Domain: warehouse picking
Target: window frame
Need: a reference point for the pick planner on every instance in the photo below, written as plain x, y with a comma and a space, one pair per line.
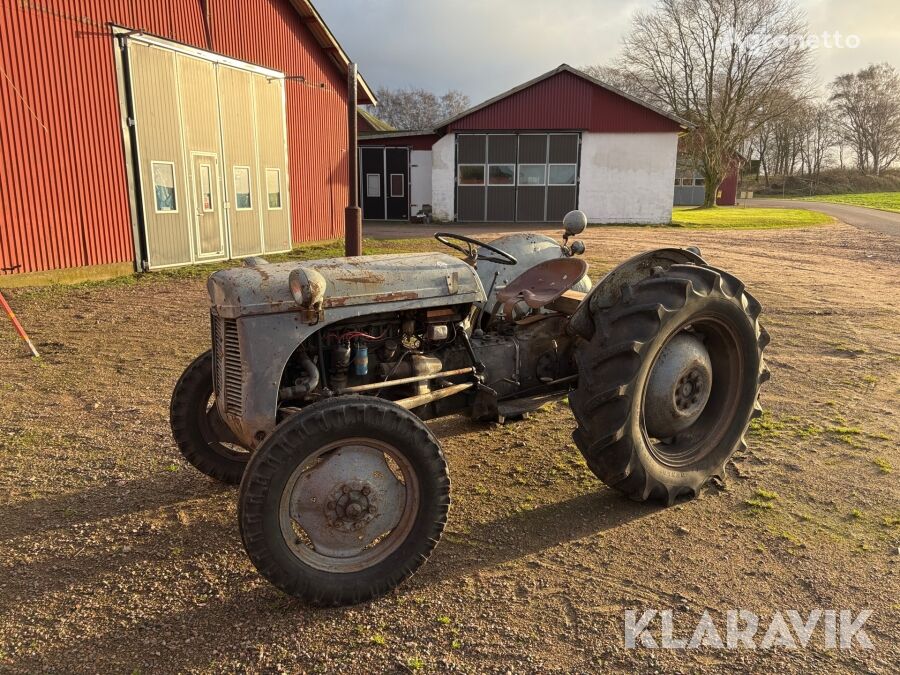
514, 172
460, 168
206, 168
176, 199
234, 169
574, 182
369, 183
391, 185
519, 182
280, 193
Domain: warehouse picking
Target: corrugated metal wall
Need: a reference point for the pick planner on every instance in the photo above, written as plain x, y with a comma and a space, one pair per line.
63, 194
566, 102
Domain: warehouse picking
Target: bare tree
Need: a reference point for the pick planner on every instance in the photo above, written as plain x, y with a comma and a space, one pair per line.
720, 64
868, 107
411, 109
818, 134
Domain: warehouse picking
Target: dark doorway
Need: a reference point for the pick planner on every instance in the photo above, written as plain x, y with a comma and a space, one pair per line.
384, 183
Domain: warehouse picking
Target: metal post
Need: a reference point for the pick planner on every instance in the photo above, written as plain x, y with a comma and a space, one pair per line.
353, 214
17, 325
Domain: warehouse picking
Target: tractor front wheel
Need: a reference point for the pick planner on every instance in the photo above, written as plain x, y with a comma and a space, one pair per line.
201, 434
669, 382
344, 500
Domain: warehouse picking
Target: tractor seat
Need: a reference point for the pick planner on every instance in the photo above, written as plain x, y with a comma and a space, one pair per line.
541, 285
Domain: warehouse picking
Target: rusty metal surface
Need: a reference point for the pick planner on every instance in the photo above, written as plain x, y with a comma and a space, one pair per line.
542, 284
349, 504
529, 249
348, 282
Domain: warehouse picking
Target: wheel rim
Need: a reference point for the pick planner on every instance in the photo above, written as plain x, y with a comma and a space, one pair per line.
213, 429
693, 392
349, 505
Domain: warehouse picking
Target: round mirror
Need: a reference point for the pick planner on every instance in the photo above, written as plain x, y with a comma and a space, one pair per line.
574, 222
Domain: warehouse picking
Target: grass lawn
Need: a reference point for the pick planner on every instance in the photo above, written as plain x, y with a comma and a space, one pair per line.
886, 201
737, 218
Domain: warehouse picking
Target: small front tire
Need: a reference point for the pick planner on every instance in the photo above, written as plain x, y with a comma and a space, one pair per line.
202, 436
344, 500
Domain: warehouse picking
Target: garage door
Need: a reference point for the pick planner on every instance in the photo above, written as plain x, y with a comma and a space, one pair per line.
516, 177
211, 174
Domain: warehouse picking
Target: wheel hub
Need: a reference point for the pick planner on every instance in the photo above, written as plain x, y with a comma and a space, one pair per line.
351, 506
346, 501
679, 386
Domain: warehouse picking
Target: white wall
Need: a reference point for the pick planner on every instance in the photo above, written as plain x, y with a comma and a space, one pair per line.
420, 180
627, 178
443, 172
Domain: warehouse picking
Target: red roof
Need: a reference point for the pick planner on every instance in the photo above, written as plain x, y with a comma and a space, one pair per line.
565, 98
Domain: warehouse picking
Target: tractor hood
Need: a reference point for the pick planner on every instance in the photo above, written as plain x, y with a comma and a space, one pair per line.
317, 285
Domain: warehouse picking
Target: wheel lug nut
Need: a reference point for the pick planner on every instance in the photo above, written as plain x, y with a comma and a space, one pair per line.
345, 489
372, 508
366, 490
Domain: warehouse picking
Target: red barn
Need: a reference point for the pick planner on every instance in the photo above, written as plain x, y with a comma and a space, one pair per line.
150, 134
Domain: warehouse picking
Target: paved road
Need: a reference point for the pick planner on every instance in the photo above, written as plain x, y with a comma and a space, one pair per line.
858, 216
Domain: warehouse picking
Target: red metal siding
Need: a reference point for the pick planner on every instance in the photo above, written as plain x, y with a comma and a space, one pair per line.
63, 193
565, 101
728, 189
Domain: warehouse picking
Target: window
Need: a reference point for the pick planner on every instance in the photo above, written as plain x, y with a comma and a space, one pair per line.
699, 182
677, 182
273, 188
532, 174
373, 185
471, 174
242, 198
164, 186
562, 174
502, 174
397, 183
206, 201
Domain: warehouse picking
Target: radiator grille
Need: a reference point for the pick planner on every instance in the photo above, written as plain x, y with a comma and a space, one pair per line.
227, 364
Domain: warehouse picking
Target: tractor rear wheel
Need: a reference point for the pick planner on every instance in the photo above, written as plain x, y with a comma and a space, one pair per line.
669, 382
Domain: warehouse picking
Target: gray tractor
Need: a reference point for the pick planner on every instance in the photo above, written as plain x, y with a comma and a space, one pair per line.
321, 375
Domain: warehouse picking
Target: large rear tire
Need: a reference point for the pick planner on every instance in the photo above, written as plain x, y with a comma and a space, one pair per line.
669, 382
344, 500
202, 436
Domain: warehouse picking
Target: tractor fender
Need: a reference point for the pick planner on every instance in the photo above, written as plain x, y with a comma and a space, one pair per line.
608, 290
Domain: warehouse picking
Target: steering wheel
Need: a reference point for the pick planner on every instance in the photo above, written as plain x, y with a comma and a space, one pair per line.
471, 250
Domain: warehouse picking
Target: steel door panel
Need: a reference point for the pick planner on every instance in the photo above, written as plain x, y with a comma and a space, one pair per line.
560, 200
372, 183
239, 131
274, 203
164, 185
470, 203
396, 184
530, 203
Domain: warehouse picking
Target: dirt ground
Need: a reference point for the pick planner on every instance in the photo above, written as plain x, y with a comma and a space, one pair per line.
116, 556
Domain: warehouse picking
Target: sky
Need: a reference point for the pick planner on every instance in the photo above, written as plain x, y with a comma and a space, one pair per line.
484, 47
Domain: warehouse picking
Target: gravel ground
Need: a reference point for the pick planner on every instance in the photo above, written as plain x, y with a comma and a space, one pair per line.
116, 556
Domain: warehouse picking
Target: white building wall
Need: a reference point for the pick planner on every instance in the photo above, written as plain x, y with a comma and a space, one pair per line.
627, 177
419, 179
443, 173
